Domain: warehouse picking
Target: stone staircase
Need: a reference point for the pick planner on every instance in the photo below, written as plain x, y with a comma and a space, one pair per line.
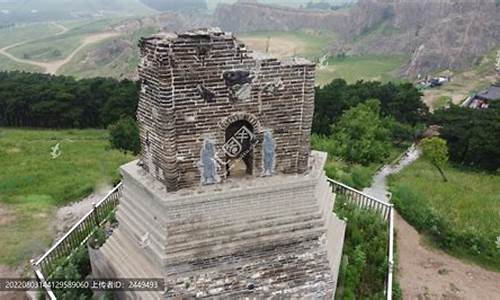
274, 238
298, 267
128, 262
272, 253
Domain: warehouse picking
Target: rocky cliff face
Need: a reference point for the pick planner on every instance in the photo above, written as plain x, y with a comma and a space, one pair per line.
436, 34
249, 15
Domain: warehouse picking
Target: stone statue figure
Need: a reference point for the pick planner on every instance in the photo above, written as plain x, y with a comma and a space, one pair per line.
268, 154
208, 164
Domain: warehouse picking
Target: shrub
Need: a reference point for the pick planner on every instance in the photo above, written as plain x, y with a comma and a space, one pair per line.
323, 143
76, 269
465, 242
361, 177
364, 262
112, 218
98, 238
124, 135
361, 135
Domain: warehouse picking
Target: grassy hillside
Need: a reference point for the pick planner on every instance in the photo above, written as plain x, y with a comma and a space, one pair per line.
117, 57
462, 215
212, 4
33, 184
287, 43
56, 47
354, 68
16, 34
7, 64
464, 83
314, 45
52, 10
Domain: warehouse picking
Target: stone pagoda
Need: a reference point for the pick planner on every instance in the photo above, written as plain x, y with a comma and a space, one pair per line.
227, 200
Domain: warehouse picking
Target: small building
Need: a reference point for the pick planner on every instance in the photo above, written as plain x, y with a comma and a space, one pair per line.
484, 98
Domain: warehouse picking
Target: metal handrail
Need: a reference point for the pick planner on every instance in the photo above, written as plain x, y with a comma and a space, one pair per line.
362, 201
47, 288
114, 190
390, 259
359, 192
98, 217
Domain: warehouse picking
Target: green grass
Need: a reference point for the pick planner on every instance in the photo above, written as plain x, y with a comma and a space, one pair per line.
462, 215
352, 174
314, 45
7, 64
49, 49
442, 102
356, 175
466, 82
303, 43
212, 4
363, 269
354, 68
57, 47
33, 185
48, 10
119, 65
16, 34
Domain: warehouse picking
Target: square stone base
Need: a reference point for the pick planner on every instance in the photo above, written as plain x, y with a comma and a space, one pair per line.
251, 237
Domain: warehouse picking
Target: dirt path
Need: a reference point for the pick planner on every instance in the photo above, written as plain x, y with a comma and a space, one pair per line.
68, 215
64, 219
426, 273
63, 28
54, 66
379, 188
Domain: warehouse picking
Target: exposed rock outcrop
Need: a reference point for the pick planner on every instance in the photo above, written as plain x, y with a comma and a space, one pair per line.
437, 34
249, 15
441, 34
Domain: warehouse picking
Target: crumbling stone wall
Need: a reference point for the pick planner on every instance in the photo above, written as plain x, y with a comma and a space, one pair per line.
188, 94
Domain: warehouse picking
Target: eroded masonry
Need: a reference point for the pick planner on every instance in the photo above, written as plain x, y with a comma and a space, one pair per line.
227, 200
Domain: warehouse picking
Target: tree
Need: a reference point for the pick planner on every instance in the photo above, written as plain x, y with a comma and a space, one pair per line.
435, 151
124, 134
399, 101
360, 135
42, 100
472, 135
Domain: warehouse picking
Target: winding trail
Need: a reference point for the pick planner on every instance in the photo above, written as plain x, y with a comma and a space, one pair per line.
379, 188
425, 272
54, 66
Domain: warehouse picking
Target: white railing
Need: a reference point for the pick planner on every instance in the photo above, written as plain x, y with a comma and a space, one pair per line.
385, 209
82, 230
77, 236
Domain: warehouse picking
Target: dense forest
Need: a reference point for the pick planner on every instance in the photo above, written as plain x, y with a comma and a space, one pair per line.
399, 101
473, 135
359, 120
41, 100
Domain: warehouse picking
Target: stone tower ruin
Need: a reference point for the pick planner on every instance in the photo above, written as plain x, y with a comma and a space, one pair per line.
200, 86
227, 199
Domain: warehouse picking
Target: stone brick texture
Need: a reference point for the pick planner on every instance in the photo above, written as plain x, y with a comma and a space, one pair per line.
175, 118
272, 237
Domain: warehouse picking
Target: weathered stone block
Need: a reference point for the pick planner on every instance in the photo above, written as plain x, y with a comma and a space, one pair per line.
206, 80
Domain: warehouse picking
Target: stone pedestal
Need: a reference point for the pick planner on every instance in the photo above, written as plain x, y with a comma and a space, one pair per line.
247, 237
